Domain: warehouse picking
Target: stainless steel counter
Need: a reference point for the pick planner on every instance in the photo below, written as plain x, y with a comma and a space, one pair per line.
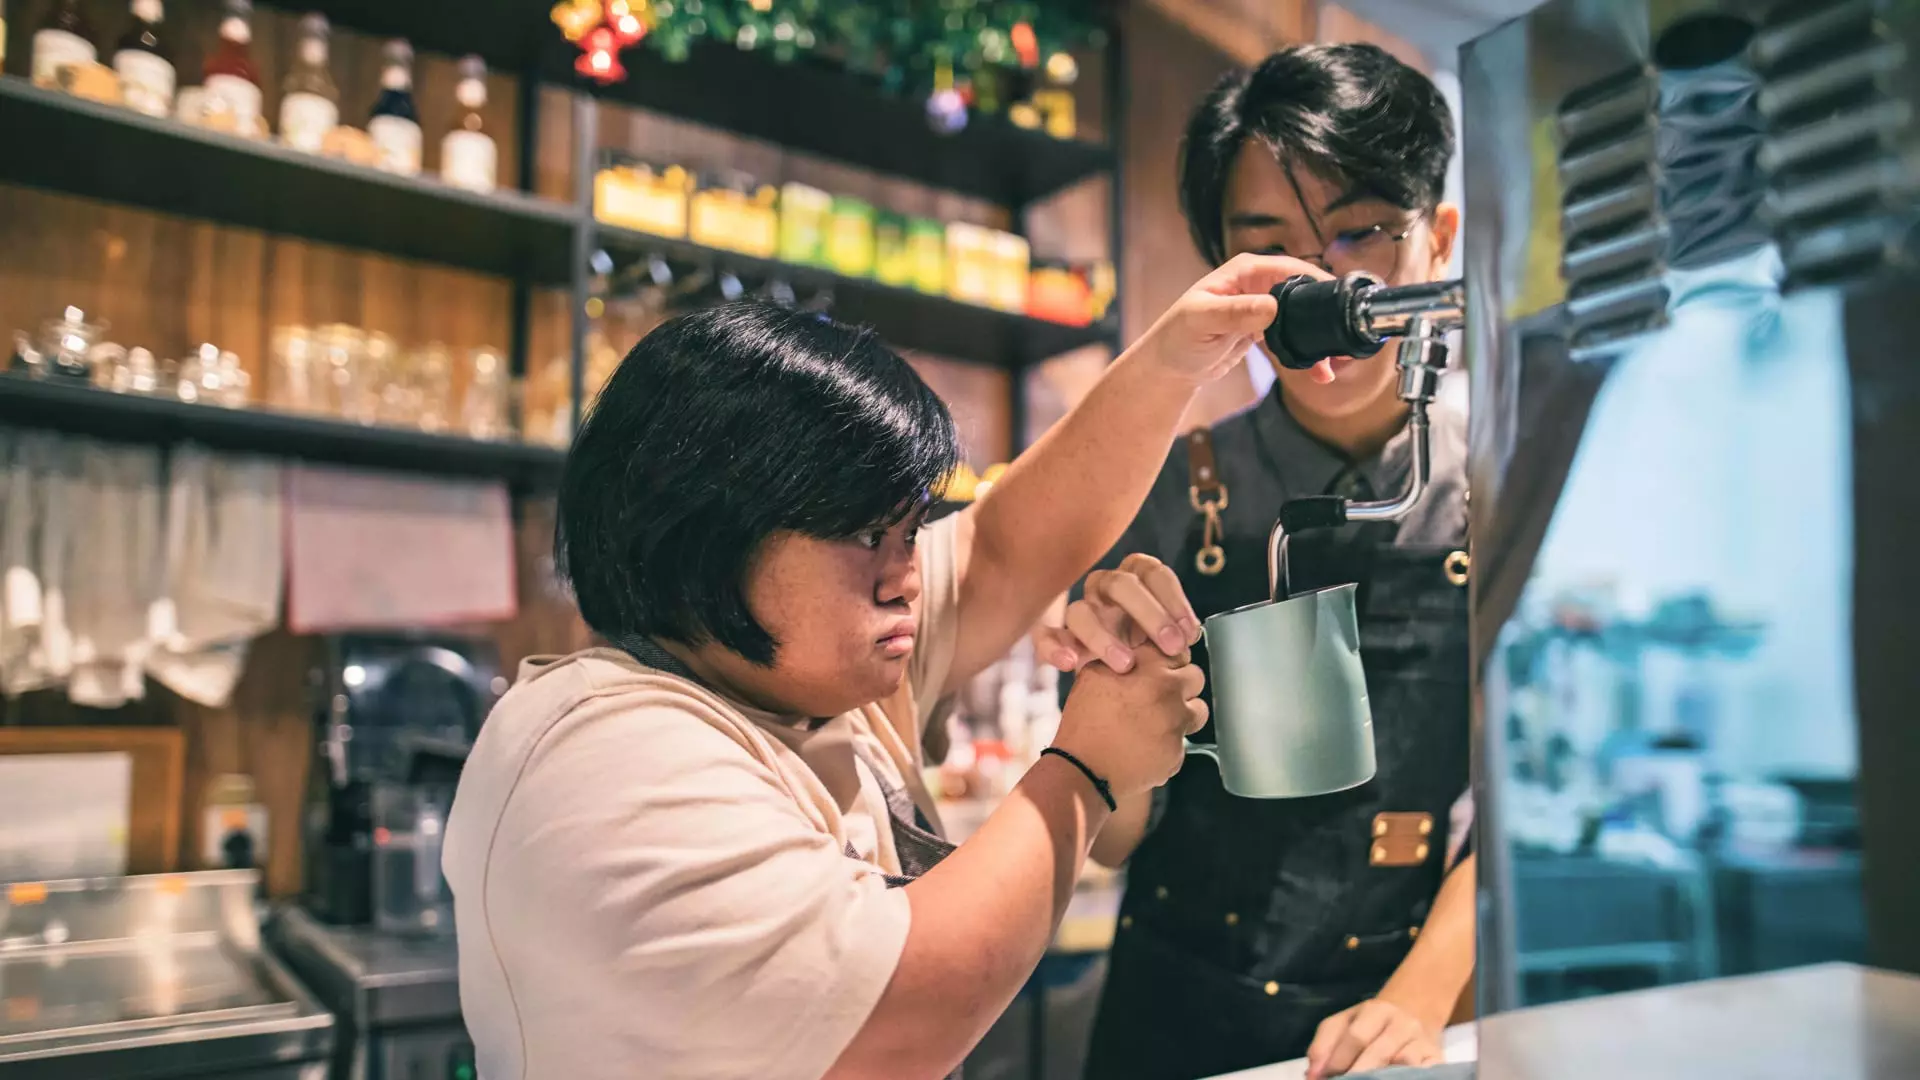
397, 997
1831, 1021
122, 979
368, 977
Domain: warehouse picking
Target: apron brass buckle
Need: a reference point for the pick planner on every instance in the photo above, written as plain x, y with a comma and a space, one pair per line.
1212, 558
1458, 566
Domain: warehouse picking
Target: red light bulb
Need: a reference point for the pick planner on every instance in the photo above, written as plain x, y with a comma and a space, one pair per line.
1025, 44
600, 56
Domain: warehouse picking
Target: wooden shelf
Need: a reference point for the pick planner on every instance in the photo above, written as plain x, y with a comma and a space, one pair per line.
836, 114
805, 105
905, 318
78, 409
63, 143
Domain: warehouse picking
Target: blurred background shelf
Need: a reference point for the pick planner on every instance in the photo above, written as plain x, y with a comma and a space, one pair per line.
117, 155
906, 318
85, 410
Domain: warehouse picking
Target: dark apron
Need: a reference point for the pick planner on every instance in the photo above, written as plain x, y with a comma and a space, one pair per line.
1247, 922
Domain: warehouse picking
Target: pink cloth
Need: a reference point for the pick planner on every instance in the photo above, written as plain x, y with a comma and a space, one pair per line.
369, 550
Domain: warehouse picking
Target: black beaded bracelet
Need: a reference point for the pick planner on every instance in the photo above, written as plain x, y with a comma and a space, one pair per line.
1099, 785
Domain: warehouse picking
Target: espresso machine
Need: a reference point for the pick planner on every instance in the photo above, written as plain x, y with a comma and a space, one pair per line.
373, 936
1690, 306
1292, 717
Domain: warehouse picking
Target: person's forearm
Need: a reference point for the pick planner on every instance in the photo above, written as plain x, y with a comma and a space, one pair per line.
982, 920
1124, 830
1065, 501
1428, 982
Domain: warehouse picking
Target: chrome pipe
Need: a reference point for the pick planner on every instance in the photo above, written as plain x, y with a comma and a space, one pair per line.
1389, 311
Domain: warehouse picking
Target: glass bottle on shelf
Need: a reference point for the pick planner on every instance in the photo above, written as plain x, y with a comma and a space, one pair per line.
468, 156
309, 102
147, 75
395, 125
64, 38
232, 82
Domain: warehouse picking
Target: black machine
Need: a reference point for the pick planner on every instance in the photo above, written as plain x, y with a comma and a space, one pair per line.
374, 934
396, 719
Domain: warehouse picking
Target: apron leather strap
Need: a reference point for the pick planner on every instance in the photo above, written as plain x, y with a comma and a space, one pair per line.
1208, 493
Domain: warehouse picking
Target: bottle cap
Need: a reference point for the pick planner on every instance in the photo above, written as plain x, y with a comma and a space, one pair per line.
398, 51
240, 8
314, 24
472, 67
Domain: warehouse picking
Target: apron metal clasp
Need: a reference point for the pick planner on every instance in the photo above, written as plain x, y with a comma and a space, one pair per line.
1212, 558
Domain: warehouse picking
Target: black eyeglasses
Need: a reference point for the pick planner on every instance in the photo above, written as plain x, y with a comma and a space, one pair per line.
1369, 248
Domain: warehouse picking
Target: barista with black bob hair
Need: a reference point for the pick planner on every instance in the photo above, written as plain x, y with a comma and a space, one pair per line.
704, 848
1338, 927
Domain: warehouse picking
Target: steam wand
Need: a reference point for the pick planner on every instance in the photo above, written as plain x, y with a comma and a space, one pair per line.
1356, 316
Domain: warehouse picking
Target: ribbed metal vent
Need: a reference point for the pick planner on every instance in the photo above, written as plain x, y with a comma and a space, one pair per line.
1613, 239
1839, 198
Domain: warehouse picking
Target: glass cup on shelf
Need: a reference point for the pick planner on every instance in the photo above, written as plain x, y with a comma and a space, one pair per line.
483, 408
106, 364
66, 345
190, 382
230, 385
139, 375
433, 387
294, 381
338, 368
386, 383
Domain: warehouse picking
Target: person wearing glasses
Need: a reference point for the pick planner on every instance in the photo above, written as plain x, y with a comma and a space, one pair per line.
1338, 927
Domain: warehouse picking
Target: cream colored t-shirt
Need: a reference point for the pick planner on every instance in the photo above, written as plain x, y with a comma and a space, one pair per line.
652, 882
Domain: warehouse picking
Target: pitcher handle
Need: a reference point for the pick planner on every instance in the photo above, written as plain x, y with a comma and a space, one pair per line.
1210, 750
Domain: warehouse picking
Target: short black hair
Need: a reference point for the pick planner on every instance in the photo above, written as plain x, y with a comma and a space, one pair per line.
1350, 113
720, 428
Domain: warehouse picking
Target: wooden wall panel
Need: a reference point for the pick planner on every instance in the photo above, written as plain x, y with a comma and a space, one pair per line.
1174, 70
1339, 24
1242, 30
